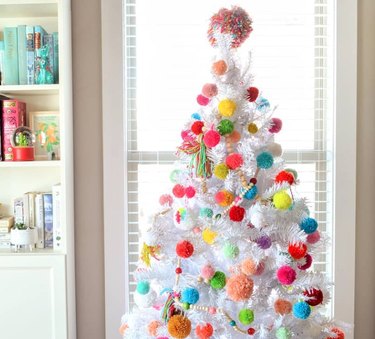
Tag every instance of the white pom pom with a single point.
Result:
(257, 217)
(146, 300)
(186, 220)
(275, 149)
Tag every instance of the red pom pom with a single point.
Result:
(202, 100)
(308, 262)
(276, 125)
(252, 94)
(234, 161)
(285, 176)
(209, 90)
(315, 296)
(204, 331)
(190, 192)
(251, 331)
(184, 249)
(297, 251)
(211, 138)
(236, 213)
(196, 127)
(178, 191)
(339, 333)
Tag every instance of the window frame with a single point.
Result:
(115, 162)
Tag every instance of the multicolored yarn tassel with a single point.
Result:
(168, 309)
(149, 251)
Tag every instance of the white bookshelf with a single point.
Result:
(49, 271)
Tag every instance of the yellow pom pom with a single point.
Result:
(221, 171)
(227, 107)
(282, 200)
(252, 128)
(209, 236)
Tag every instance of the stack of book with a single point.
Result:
(6, 223)
(27, 53)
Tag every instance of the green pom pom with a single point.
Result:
(173, 177)
(206, 212)
(282, 333)
(246, 316)
(143, 287)
(225, 127)
(230, 251)
(218, 281)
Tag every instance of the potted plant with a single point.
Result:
(22, 235)
(23, 144)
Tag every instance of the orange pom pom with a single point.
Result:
(248, 267)
(282, 306)
(224, 198)
(179, 326)
(153, 327)
(219, 67)
(239, 287)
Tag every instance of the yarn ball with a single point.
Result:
(202, 100)
(275, 149)
(283, 333)
(196, 116)
(236, 213)
(184, 249)
(209, 236)
(248, 266)
(190, 192)
(265, 160)
(276, 125)
(252, 94)
(307, 264)
(260, 268)
(211, 138)
(234, 137)
(308, 225)
(143, 287)
(264, 242)
(206, 212)
(204, 331)
(285, 176)
(282, 306)
(225, 127)
(235, 22)
(224, 198)
(282, 200)
(251, 193)
(313, 238)
(301, 310)
(179, 326)
(239, 287)
(298, 250)
(145, 300)
(197, 127)
(252, 128)
(286, 275)
(218, 281)
(246, 316)
(219, 67)
(315, 296)
(166, 199)
(227, 107)
(234, 161)
(153, 327)
(190, 296)
(209, 90)
(221, 171)
(339, 333)
(178, 191)
(207, 271)
(263, 105)
(230, 251)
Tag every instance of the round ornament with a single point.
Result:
(246, 316)
(301, 310)
(234, 137)
(196, 116)
(221, 171)
(190, 296)
(153, 327)
(206, 212)
(219, 67)
(143, 287)
(292, 171)
(283, 333)
(227, 107)
(315, 296)
(234, 161)
(339, 333)
(282, 306)
(263, 104)
(285, 176)
(252, 128)
(297, 251)
(225, 127)
(204, 331)
(197, 127)
(286, 275)
(230, 251)
(276, 125)
(264, 160)
(209, 90)
(236, 213)
(190, 192)
(282, 200)
(239, 287)
(184, 249)
(202, 100)
(179, 326)
(224, 198)
(313, 238)
(166, 199)
(209, 236)
(175, 174)
(252, 94)
(251, 193)
(308, 225)
(251, 331)
(260, 268)
(211, 138)
(218, 281)
(275, 149)
(178, 191)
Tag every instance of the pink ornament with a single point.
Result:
(166, 199)
(211, 138)
(308, 262)
(202, 100)
(207, 271)
(196, 230)
(313, 238)
(286, 275)
(178, 191)
(209, 90)
(212, 310)
(276, 125)
(190, 192)
(234, 161)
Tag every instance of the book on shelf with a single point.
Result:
(48, 220)
(10, 56)
(1, 62)
(21, 43)
(18, 211)
(2, 98)
(39, 219)
(56, 207)
(30, 55)
(56, 57)
(48, 42)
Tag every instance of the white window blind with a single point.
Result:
(168, 59)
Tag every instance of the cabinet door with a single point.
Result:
(33, 297)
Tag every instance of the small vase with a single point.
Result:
(25, 153)
(27, 237)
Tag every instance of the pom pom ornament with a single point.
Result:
(197, 127)
(276, 125)
(315, 296)
(264, 160)
(207, 272)
(209, 236)
(234, 137)
(252, 128)
(246, 316)
(178, 191)
(230, 251)
(263, 105)
(292, 171)
(308, 262)
(252, 94)
(224, 198)
(286, 275)
(184, 249)
(219, 67)
(276, 150)
(179, 326)
(190, 296)
(204, 331)
(175, 174)
(218, 281)
(297, 251)
(145, 300)
(236, 213)
(301, 310)
(308, 225)
(248, 266)
(285, 176)
(282, 200)
(225, 127)
(282, 306)
(196, 116)
(206, 212)
(227, 107)
(202, 100)
(209, 90)
(283, 333)
(338, 332)
(211, 138)
(221, 171)
(239, 287)
(153, 327)
(166, 199)
(313, 238)
(143, 287)
(264, 242)
(190, 192)
(234, 161)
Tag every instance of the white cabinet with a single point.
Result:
(37, 295)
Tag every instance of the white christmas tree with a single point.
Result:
(228, 254)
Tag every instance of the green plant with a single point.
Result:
(22, 140)
(19, 226)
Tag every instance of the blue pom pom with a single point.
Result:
(301, 310)
(309, 225)
(206, 212)
(143, 287)
(251, 193)
(190, 296)
(265, 160)
(263, 104)
(196, 116)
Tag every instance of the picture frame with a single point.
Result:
(46, 128)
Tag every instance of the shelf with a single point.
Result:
(29, 164)
(27, 252)
(27, 8)
(29, 89)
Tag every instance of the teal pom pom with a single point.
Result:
(190, 296)
(251, 193)
(301, 310)
(225, 127)
(282, 333)
(263, 104)
(143, 287)
(309, 225)
(206, 212)
(196, 116)
(265, 160)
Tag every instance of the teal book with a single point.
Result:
(1, 62)
(30, 55)
(56, 57)
(39, 33)
(48, 43)
(10, 56)
(22, 55)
